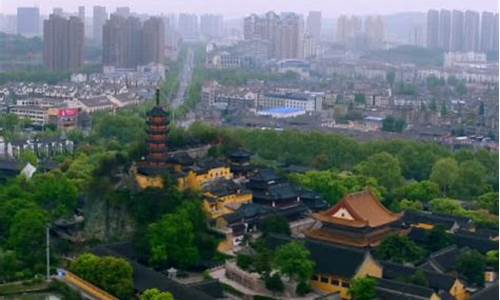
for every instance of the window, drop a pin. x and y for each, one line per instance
(345, 284)
(315, 278)
(324, 279)
(335, 282)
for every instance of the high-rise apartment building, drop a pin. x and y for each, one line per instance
(433, 29)
(63, 43)
(284, 33)
(471, 31)
(313, 24)
(495, 32)
(121, 42)
(375, 32)
(487, 25)
(347, 29)
(211, 26)
(457, 31)
(153, 41)
(444, 29)
(416, 37)
(58, 11)
(98, 19)
(127, 43)
(81, 13)
(291, 37)
(123, 11)
(28, 21)
(188, 26)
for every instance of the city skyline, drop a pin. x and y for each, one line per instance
(234, 8)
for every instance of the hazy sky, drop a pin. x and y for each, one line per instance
(238, 8)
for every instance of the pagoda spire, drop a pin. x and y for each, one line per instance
(157, 147)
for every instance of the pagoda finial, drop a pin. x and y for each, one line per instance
(157, 97)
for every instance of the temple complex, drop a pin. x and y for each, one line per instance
(359, 220)
(272, 190)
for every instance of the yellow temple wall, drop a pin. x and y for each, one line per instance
(329, 284)
(458, 291)
(145, 182)
(222, 202)
(337, 284)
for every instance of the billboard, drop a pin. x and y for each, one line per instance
(68, 112)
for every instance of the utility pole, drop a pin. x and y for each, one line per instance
(47, 236)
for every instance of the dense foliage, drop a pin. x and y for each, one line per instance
(399, 249)
(155, 294)
(293, 260)
(471, 265)
(363, 288)
(115, 275)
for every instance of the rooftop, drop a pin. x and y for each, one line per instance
(364, 210)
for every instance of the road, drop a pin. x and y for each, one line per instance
(185, 80)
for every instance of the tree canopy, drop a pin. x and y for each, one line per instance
(155, 294)
(293, 260)
(384, 167)
(363, 288)
(399, 249)
(114, 275)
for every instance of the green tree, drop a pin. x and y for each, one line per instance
(28, 156)
(445, 173)
(446, 206)
(55, 193)
(406, 204)
(275, 224)
(303, 288)
(27, 233)
(173, 239)
(293, 260)
(393, 124)
(419, 278)
(9, 264)
(423, 191)
(263, 261)
(492, 259)
(471, 265)
(438, 238)
(155, 294)
(114, 275)
(384, 167)
(334, 186)
(471, 180)
(360, 98)
(390, 77)
(274, 283)
(363, 288)
(489, 201)
(244, 261)
(399, 249)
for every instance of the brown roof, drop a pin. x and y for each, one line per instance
(364, 207)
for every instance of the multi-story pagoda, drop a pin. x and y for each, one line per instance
(155, 161)
(359, 220)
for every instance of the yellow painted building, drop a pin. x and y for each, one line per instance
(219, 204)
(336, 266)
(195, 179)
(337, 279)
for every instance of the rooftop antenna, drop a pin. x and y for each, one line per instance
(157, 97)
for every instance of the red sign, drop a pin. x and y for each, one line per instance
(68, 112)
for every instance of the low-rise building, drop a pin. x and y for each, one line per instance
(306, 101)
